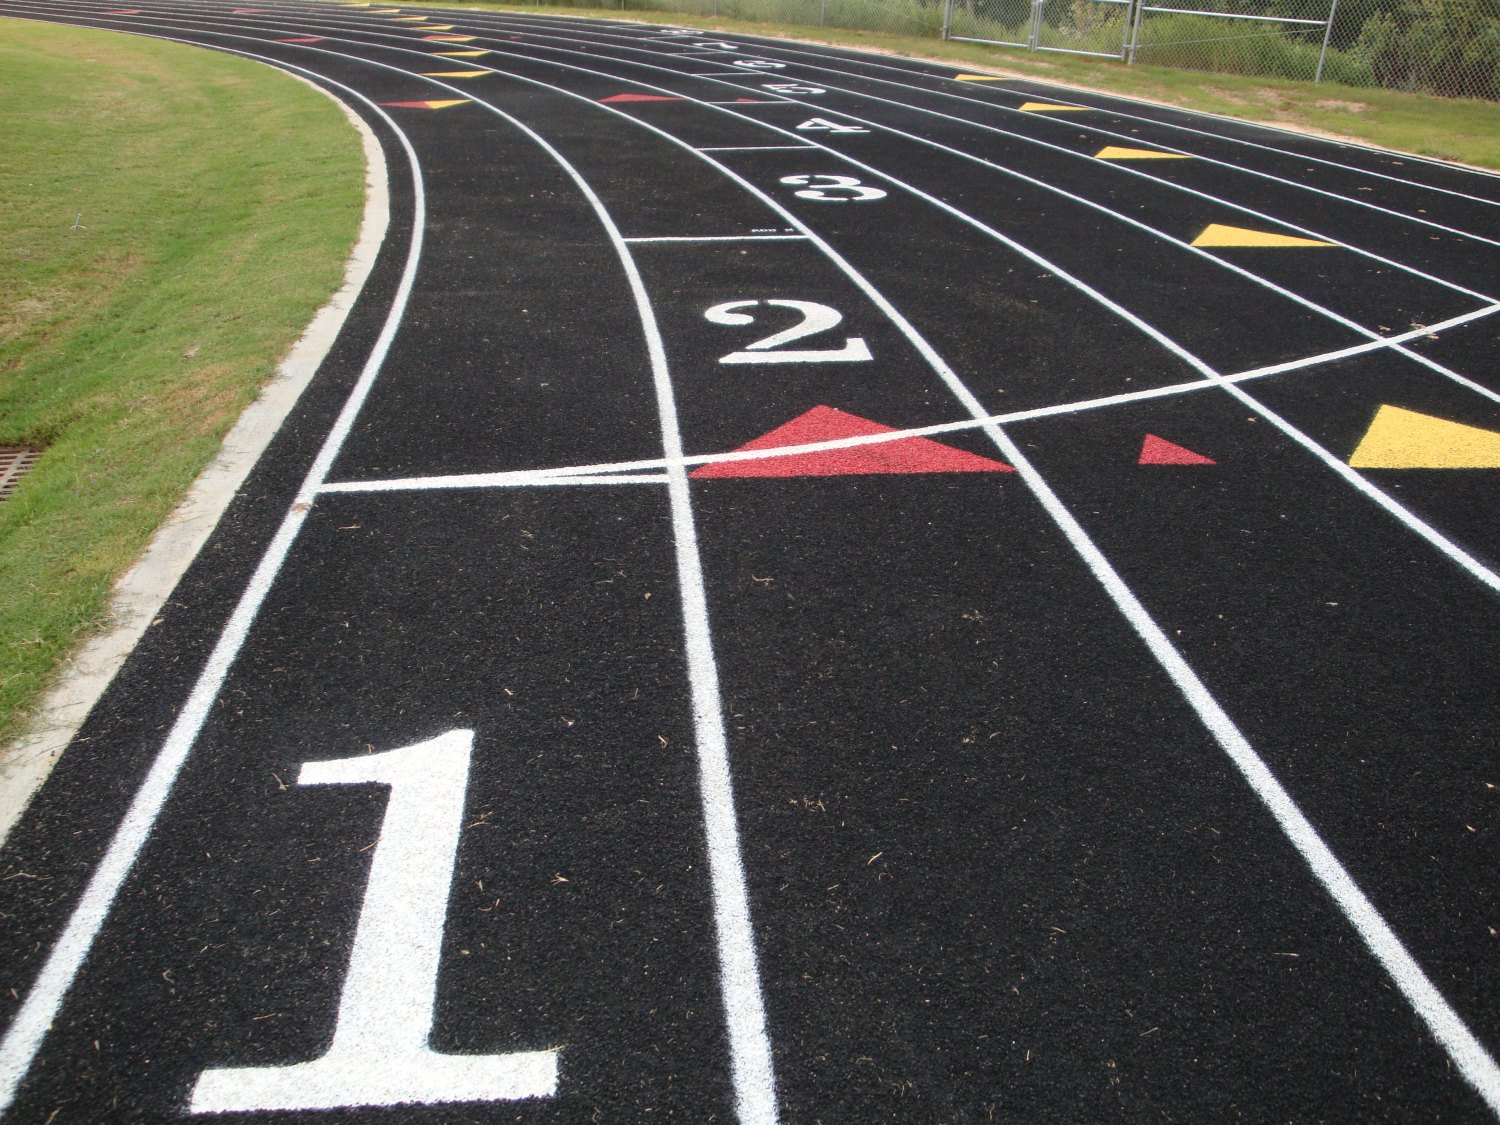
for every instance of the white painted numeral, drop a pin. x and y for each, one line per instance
(822, 124)
(379, 1054)
(816, 318)
(857, 192)
(792, 88)
(714, 44)
(759, 64)
(677, 31)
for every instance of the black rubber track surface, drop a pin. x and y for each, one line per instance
(1148, 774)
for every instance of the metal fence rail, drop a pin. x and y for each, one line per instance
(1445, 47)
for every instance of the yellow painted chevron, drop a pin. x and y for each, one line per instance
(1216, 234)
(1405, 439)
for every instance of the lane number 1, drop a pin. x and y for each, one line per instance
(379, 1054)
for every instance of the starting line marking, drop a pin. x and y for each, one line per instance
(722, 238)
(608, 471)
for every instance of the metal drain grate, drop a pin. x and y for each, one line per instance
(13, 464)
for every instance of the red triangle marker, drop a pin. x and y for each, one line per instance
(824, 423)
(638, 98)
(1159, 451)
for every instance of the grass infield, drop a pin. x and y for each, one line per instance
(1464, 130)
(170, 221)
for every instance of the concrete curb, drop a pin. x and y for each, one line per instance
(140, 594)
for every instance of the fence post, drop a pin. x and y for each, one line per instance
(1333, 8)
(947, 18)
(1135, 32)
(1034, 32)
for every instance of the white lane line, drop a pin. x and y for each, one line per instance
(597, 470)
(1406, 517)
(753, 1072)
(722, 238)
(782, 48)
(498, 480)
(751, 1064)
(1465, 1051)
(1115, 165)
(744, 148)
(1409, 519)
(34, 1018)
(1442, 1020)
(1462, 1047)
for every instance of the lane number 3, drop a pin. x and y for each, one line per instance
(833, 189)
(379, 1054)
(816, 319)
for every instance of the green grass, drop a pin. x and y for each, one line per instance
(1465, 130)
(170, 220)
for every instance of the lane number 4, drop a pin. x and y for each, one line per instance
(833, 189)
(823, 125)
(816, 319)
(379, 1054)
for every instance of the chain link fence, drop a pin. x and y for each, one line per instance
(1446, 47)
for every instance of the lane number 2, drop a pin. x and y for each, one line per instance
(833, 189)
(816, 319)
(379, 1054)
(759, 64)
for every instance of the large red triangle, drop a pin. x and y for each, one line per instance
(639, 98)
(1159, 451)
(824, 423)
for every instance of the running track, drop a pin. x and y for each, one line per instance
(1086, 710)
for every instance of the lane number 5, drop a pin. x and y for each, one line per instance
(816, 319)
(379, 1054)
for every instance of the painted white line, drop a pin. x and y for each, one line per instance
(723, 238)
(1465, 1050)
(1462, 1047)
(141, 592)
(1071, 153)
(752, 148)
(24, 1036)
(597, 471)
(1409, 519)
(494, 480)
(783, 48)
(739, 972)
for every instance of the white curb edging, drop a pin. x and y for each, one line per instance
(141, 592)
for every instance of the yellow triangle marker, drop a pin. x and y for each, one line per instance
(1404, 439)
(1115, 152)
(1216, 234)
(1048, 107)
(438, 27)
(409, 19)
(455, 73)
(977, 78)
(460, 54)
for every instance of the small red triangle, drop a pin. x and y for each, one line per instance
(824, 423)
(639, 98)
(1159, 451)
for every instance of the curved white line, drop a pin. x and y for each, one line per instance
(24, 1036)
